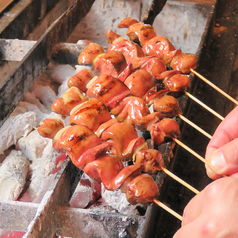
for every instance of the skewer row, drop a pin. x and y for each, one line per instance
(177, 141)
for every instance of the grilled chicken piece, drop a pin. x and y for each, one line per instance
(91, 114)
(111, 63)
(140, 32)
(184, 63)
(177, 84)
(80, 79)
(157, 91)
(168, 106)
(126, 22)
(91, 51)
(155, 67)
(13, 173)
(166, 128)
(142, 189)
(111, 36)
(123, 139)
(139, 82)
(134, 110)
(71, 98)
(151, 160)
(126, 175)
(133, 52)
(50, 127)
(104, 169)
(162, 48)
(109, 90)
(105, 126)
(80, 143)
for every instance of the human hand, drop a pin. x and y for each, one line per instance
(213, 212)
(222, 150)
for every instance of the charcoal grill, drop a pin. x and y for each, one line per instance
(43, 32)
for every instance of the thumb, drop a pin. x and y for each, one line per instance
(224, 161)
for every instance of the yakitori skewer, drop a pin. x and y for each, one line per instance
(180, 180)
(204, 105)
(195, 126)
(215, 87)
(190, 150)
(166, 208)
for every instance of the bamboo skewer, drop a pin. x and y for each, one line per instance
(186, 147)
(168, 209)
(204, 105)
(195, 126)
(215, 87)
(180, 180)
(190, 150)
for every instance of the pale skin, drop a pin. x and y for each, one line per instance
(213, 213)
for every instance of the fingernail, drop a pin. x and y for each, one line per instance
(217, 160)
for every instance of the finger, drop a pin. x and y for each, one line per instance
(210, 173)
(193, 209)
(225, 132)
(192, 230)
(224, 161)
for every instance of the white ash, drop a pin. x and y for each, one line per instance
(83, 42)
(13, 173)
(34, 108)
(79, 67)
(45, 94)
(16, 127)
(33, 145)
(86, 192)
(118, 201)
(44, 161)
(31, 98)
(62, 72)
(62, 88)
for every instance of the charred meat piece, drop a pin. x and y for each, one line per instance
(71, 98)
(166, 128)
(134, 110)
(50, 127)
(123, 139)
(126, 22)
(168, 106)
(140, 32)
(91, 51)
(133, 52)
(139, 82)
(80, 143)
(177, 84)
(80, 79)
(111, 36)
(151, 159)
(91, 114)
(142, 189)
(109, 90)
(111, 63)
(157, 91)
(105, 169)
(125, 176)
(162, 48)
(184, 62)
